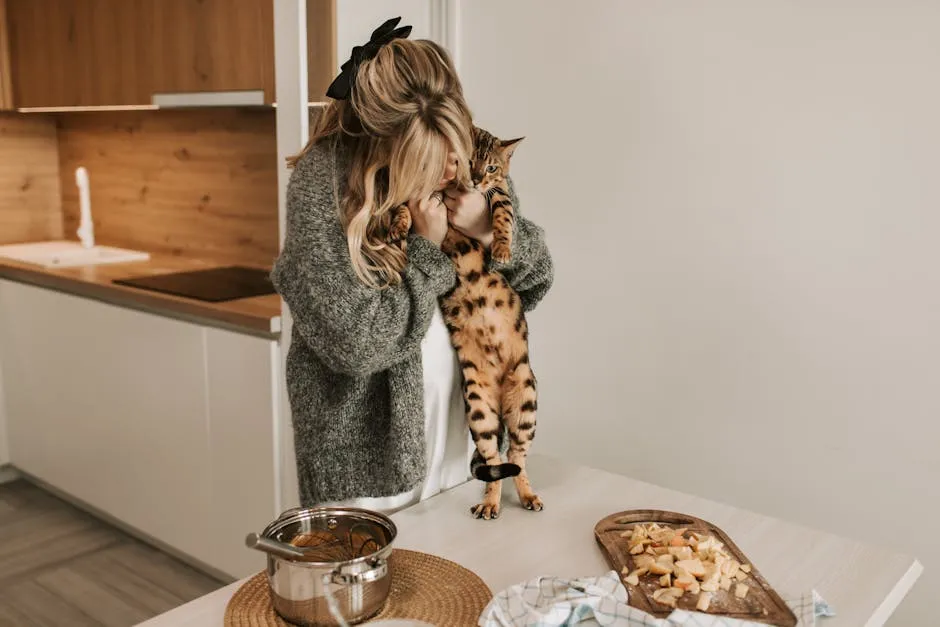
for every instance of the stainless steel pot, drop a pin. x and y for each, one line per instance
(351, 572)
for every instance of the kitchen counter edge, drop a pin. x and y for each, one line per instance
(186, 310)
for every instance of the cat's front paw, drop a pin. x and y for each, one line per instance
(532, 502)
(501, 252)
(401, 225)
(398, 232)
(485, 510)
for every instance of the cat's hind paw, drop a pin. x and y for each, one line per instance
(532, 502)
(485, 510)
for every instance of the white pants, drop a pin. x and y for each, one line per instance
(448, 442)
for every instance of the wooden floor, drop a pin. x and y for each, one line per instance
(62, 567)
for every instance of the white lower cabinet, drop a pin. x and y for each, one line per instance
(242, 391)
(4, 451)
(165, 425)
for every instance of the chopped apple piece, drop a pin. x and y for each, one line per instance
(660, 569)
(626, 534)
(633, 579)
(694, 566)
(741, 575)
(725, 583)
(709, 544)
(684, 583)
(695, 588)
(659, 594)
(636, 550)
(740, 590)
(704, 600)
(746, 568)
(710, 586)
(668, 596)
(643, 561)
(666, 581)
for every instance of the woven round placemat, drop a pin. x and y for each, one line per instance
(424, 587)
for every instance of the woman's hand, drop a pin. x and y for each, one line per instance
(429, 218)
(469, 213)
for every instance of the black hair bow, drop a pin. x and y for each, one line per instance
(339, 88)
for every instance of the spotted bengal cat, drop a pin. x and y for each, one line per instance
(490, 335)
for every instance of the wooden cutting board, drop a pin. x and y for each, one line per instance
(762, 603)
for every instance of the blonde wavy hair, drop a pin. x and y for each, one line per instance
(405, 114)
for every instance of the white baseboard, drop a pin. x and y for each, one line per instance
(8, 473)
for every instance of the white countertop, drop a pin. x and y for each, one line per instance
(863, 583)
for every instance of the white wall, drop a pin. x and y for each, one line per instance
(742, 200)
(356, 19)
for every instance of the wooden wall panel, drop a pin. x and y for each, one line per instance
(30, 206)
(195, 183)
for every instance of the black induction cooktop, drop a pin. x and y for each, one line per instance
(214, 285)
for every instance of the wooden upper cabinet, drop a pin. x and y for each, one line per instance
(121, 52)
(209, 45)
(76, 53)
(6, 77)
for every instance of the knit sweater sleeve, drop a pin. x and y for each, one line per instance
(353, 328)
(530, 270)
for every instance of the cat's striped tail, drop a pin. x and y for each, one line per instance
(484, 472)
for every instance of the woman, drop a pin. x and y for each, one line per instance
(372, 378)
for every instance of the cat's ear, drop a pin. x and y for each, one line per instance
(508, 146)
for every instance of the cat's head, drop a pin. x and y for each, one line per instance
(490, 162)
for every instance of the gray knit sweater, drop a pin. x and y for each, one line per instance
(354, 372)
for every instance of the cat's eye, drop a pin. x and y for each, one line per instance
(491, 168)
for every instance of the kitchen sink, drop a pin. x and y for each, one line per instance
(65, 254)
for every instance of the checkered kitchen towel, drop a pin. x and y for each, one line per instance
(558, 602)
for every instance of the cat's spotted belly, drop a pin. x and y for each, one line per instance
(483, 317)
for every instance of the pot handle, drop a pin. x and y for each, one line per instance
(379, 570)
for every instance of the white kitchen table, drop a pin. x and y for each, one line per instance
(863, 583)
